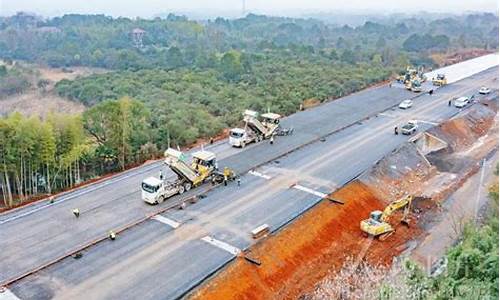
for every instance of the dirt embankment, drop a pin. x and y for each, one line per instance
(304, 252)
(316, 245)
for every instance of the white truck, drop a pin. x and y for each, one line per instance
(202, 168)
(256, 130)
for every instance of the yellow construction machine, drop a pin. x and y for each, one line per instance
(440, 80)
(377, 225)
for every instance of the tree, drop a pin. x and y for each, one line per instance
(348, 56)
(230, 65)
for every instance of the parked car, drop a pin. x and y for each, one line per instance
(409, 128)
(461, 102)
(484, 90)
(406, 104)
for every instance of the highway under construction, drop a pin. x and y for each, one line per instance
(164, 252)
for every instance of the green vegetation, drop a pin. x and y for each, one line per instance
(175, 80)
(472, 265)
(12, 81)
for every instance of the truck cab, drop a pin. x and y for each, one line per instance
(239, 137)
(151, 189)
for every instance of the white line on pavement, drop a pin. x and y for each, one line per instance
(310, 191)
(222, 245)
(6, 294)
(255, 173)
(427, 122)
(167, 221)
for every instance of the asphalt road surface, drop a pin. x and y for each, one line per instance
(154, 260)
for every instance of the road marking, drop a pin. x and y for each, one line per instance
(167, 221)
(6, 294)
(222, 245)
(258, 174)
(427, 122)
(310, 191)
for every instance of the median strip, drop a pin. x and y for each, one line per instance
(167, 221)
(222, 245)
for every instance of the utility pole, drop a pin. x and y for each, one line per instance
(243, 8)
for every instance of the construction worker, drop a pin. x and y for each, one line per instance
(449, 102)
(161, 175)
(211, 141)
(396, 130)
(76, 212)
(112, 235)
(51, 199)
(431, 91)
(226, 175)
(271, 140)
(238, 180)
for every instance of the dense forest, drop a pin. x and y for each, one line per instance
(174, 80)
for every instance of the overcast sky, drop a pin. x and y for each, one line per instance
(149, 8)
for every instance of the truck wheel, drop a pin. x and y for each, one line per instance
(187, 186)
(181, 190)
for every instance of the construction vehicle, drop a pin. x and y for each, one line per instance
(412, 74)
(256, 130)
(203, 168)
(414, 85)
(377, 225)
(440, 80)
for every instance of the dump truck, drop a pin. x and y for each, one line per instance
(256, 130)
(378, 226)
(203, 168)
(440, 80)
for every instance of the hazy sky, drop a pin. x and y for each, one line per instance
(148, 8)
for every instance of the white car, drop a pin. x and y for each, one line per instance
(406, 104)
(484, 90)
(461, 102)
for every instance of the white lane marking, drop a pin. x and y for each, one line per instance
(167, 221)
(310, 191)
(427, 122)
(255, 173)
(222, 245)
(6, 294)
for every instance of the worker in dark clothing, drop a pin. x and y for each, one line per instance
(211, 141)
(396, 130)
(161, 175)
(449, 102)
(238, 180)
(431, 91)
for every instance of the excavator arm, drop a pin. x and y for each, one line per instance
(395, 205)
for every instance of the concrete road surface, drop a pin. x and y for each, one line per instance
(164, 257)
